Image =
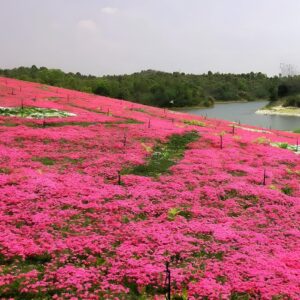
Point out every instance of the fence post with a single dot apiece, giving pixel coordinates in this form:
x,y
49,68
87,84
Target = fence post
x,y
125,140
168,282
265,176
119,178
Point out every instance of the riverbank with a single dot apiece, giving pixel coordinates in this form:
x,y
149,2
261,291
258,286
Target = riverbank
x,y
246,114
279,110
184,108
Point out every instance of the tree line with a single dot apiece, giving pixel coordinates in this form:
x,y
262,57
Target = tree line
x,y
164,89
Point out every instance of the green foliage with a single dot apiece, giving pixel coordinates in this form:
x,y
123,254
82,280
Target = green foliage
x,y
221,279
283,145
293,100
47,161
164,155
210,255
158,88
287,190
5,170
240,296
173,212
194,122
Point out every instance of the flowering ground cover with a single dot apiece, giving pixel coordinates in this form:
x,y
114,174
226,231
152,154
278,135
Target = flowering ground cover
x,y
95,201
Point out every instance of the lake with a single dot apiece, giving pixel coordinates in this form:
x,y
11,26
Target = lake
x,y
245,113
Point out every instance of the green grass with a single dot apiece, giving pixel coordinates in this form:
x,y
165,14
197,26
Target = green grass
x,y
20,266
68,123
287,190
194,122
61,124
297,130
209,255
174,212
164,156
5,170
46,161
240,296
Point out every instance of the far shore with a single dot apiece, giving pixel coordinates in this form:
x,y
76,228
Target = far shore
x,y
280,110
183,108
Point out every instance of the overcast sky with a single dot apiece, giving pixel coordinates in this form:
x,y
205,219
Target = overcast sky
x,y
123,36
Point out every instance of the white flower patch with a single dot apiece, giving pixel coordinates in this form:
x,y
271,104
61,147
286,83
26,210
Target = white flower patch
x,y
34,112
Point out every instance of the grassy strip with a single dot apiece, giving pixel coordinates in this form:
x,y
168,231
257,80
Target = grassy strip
x,y
70,123
164,156
194,122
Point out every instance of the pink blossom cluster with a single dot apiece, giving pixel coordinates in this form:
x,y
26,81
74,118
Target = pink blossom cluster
x,y
227,219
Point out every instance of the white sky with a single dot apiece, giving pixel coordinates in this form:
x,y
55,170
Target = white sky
x,y
124,36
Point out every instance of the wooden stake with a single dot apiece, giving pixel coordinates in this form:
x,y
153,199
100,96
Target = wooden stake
x,y
119,178
265,176
125,140
168,282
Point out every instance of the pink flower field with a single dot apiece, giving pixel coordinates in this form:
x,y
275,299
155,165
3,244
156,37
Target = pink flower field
x,y
96,201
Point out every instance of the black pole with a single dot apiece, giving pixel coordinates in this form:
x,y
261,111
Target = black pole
x,y
119,178
265,176
125,140
22,108
233,129
149,123
168,282
221,141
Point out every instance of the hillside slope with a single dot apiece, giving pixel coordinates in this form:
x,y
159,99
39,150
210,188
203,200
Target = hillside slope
x,y
98,193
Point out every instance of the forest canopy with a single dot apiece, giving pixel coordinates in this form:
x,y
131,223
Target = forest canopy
x,y
164,89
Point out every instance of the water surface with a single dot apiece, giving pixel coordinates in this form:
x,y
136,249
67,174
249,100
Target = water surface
x,y
245,113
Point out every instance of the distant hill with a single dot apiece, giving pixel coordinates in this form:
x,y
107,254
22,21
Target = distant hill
x,y
158,88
